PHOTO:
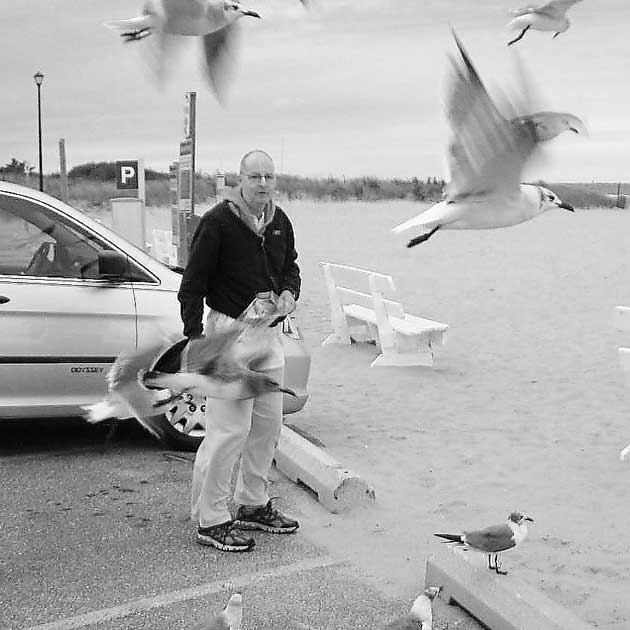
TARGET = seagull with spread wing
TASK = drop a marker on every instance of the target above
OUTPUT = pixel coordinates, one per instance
(493, 540)
(222, 365)
(548, 17)
(486, 157)
(215, 21)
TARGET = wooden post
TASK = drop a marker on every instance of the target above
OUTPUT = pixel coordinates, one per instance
(63, 177)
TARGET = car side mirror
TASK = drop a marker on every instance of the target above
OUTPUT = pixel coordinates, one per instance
(112, 265)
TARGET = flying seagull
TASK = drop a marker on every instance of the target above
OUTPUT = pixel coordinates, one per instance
(486, 157)
(493, 540)
(420, 616)
(222, 365)
(225, 365)
(230, 618)
(548, 17)
(215, 21)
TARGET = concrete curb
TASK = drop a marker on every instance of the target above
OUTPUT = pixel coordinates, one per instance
(500, 602)
(337, 488)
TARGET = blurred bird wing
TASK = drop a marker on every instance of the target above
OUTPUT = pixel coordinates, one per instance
(203, 354)
(530, 8)
(556, 8)
(220, 58)
(189, 9)
(129, 363)
(160, 53)
(486, 154)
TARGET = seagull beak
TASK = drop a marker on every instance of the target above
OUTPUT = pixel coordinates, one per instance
(574, 130)
(566, 206)
(531, 520)
(251, 14)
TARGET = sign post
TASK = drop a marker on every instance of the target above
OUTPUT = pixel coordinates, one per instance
(128, 213)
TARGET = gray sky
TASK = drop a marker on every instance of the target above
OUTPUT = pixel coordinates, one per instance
(351, 87)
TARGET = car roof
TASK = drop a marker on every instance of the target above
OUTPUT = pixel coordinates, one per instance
(135, 252)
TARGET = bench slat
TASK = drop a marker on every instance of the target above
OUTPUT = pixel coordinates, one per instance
(410, 325)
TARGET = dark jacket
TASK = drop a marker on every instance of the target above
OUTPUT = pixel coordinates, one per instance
(229, 263)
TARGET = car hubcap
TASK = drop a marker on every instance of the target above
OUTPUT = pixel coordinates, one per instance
(187, 415)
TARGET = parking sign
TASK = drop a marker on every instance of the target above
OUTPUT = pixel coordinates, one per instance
(127, 174)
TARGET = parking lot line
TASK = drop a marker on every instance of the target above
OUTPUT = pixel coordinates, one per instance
(165, 599)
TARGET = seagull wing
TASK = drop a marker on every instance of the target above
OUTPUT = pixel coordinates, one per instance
(530, 8)
(491, 539)
(183, 9)
(486, 154)
(557, 8)
(220, 59)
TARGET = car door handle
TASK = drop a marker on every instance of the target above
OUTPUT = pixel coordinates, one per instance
(4, 299)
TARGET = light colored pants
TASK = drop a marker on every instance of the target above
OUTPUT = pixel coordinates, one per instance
(249, 428)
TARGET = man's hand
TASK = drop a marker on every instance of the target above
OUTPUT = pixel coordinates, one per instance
(286, 302)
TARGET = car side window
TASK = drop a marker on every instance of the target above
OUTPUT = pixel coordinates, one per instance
(35, 241)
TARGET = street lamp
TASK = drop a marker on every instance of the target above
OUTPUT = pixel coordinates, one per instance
(39, 78)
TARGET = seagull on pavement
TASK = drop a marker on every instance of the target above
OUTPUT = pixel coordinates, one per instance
(215, 21)
(420, 616)
(486, 157)
(493, 540)
(548, 17)
(230, 618)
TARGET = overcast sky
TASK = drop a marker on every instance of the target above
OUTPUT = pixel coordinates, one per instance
(351, 87)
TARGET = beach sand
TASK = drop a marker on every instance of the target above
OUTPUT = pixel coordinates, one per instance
(526, 407)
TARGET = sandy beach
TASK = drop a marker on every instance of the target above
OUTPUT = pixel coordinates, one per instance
(525, 408)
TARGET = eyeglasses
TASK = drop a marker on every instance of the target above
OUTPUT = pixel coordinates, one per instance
(258, 177)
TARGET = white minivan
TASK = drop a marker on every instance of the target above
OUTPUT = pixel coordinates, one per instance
(73, 295)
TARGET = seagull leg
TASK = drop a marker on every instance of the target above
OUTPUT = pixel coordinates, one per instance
(497, 565)
(520, 36)
(423, 237)
(137, 35)
(556, 35)
(490, 567)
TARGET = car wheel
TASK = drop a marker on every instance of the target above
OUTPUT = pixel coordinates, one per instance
(181, 426)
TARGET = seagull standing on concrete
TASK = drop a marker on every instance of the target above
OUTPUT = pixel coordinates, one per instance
(215, 21)
(420, 616)
(548, 17)
(486, 157)
(230, 618)
(493, 540)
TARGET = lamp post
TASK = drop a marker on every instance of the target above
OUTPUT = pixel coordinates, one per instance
(39, 78)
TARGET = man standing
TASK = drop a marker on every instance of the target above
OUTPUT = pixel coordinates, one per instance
(242, 247)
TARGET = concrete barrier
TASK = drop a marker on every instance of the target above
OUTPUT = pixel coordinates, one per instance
(500, 602)
(337, 488)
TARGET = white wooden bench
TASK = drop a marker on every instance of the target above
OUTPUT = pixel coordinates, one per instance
(368, 315)
(622, 322)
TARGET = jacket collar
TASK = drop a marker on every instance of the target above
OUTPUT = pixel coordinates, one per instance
(239, 207)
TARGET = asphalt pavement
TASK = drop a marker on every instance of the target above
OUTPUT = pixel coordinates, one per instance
(95, 533)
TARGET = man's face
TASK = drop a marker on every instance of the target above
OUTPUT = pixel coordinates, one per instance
(258, 179)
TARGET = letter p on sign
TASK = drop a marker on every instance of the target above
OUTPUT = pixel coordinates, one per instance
(127, 175)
